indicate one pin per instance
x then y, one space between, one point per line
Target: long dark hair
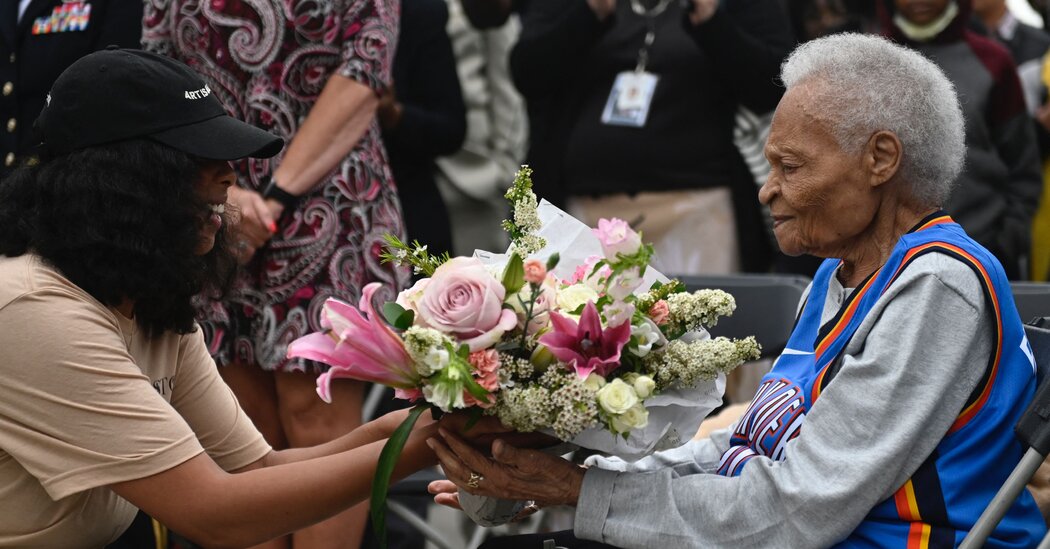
121 221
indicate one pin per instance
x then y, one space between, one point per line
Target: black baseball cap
117 94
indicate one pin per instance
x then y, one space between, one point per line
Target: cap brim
221 138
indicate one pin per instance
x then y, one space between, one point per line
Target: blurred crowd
412 117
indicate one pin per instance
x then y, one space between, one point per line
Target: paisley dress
267 62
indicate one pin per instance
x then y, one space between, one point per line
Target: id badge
630 98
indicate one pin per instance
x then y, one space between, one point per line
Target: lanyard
650 15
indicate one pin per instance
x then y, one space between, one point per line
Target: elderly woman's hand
484 431
512 473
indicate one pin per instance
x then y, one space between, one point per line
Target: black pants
564 539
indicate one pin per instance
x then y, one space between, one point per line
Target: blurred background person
631 109
422 118
38 40
999 188
312 218
1027 44
473 180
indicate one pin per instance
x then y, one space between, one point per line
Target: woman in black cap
109 399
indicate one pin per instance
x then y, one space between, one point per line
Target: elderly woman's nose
768 189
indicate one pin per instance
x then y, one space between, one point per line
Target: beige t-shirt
86 400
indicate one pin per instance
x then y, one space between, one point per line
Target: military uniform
35 49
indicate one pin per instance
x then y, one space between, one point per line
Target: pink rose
659 312
465 301
535 271
486 373
617 237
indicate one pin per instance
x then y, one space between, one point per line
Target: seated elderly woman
887 421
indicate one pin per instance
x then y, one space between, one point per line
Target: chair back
766 306
1034 426
1032 299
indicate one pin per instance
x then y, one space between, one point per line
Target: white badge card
630 98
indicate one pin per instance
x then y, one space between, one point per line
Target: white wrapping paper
674 415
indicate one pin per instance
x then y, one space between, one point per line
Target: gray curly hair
866 84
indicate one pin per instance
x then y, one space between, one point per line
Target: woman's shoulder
948 274
30 275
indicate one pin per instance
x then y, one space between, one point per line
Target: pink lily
585 347
357 346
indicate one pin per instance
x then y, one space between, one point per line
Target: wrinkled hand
703 10
486 430
512 473
254 222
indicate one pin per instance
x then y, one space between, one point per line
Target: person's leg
257 395
308 421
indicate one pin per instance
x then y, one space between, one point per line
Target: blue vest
939 504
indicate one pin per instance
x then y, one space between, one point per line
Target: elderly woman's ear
883 156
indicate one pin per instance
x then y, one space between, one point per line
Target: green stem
385 468
528 313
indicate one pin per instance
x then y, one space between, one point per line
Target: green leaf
474 417
553 260
514 274
385 468
397 316
477 391
392 311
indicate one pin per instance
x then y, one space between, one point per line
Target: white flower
573 297
594 382
616 397
617 313
409 298
649 335
635 417
644 386
434 361
447 396
624 283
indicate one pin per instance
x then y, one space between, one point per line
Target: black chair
1033 430
1032 299
766 306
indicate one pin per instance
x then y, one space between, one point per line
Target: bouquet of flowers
578 350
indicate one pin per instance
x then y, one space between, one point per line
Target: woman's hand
445 493
254 222
703 10
602 8
512 473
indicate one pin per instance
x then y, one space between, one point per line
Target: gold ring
474 479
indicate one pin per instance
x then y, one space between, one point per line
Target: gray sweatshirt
905 376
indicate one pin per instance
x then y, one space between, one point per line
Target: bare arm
335 124
289 491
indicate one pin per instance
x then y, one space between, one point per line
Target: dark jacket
565 64
51 35
433 121
998 190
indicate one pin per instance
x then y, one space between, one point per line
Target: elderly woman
887 421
